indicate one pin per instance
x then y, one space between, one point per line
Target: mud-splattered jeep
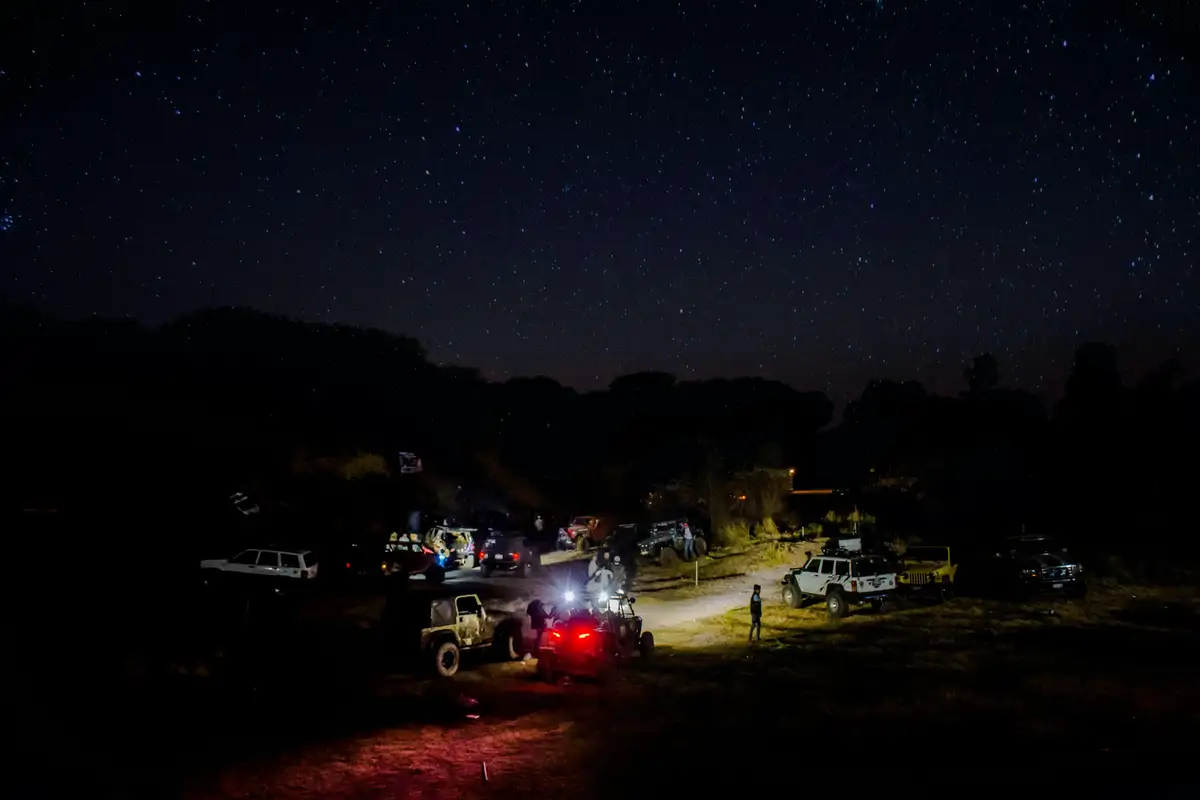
440 629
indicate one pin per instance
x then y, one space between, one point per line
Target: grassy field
990 691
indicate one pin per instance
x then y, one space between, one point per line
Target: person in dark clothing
537 621
756 614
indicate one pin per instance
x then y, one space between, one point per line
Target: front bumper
1053 586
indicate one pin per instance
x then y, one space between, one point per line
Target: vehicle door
826 575
289 565
841 573
268 563
244 562
470 619
808 579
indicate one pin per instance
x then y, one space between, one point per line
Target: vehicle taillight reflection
584 635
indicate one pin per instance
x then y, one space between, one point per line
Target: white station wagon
273 562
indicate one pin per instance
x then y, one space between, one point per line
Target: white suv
841 579
272 562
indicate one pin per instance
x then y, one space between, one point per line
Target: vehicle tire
485 571
581 543
882 606
835 604
507 644
545 669
667 557
946 592
646 644
791 597
446 659
522 571
435 574
701 546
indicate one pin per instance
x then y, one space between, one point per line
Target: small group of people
606 574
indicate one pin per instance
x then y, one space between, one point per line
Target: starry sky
818 192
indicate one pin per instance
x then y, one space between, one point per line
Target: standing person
689 543
593 565
620 576
538 525
756 614
537 621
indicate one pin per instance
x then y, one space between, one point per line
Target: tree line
145 422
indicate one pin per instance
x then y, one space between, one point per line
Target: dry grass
1108 678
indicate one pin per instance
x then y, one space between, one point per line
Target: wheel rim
835 605
448 659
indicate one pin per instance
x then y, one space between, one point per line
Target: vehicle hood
1051 560
213 563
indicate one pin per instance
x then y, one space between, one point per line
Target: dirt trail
685 606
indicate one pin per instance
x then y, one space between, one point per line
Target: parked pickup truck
841 578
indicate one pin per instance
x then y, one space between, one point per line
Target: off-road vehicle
405 555
453 546
927 571
665 542
589 642
583 533
841 578
440 629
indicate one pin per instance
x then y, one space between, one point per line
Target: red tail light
584 635
427 551
347 565
516 556
556 634
854 586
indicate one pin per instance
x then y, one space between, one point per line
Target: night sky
820 192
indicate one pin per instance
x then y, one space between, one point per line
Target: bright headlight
569 597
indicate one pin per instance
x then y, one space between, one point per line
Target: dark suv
1021 567
508 552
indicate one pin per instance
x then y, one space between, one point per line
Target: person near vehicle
537 621
689 543
620 576
593 565
601 584
538 524
756 614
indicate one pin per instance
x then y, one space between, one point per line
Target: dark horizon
942 378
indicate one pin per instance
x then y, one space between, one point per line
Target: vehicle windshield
581 521
1035 546
926 553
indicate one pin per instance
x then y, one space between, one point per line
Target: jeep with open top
842 578
439 629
